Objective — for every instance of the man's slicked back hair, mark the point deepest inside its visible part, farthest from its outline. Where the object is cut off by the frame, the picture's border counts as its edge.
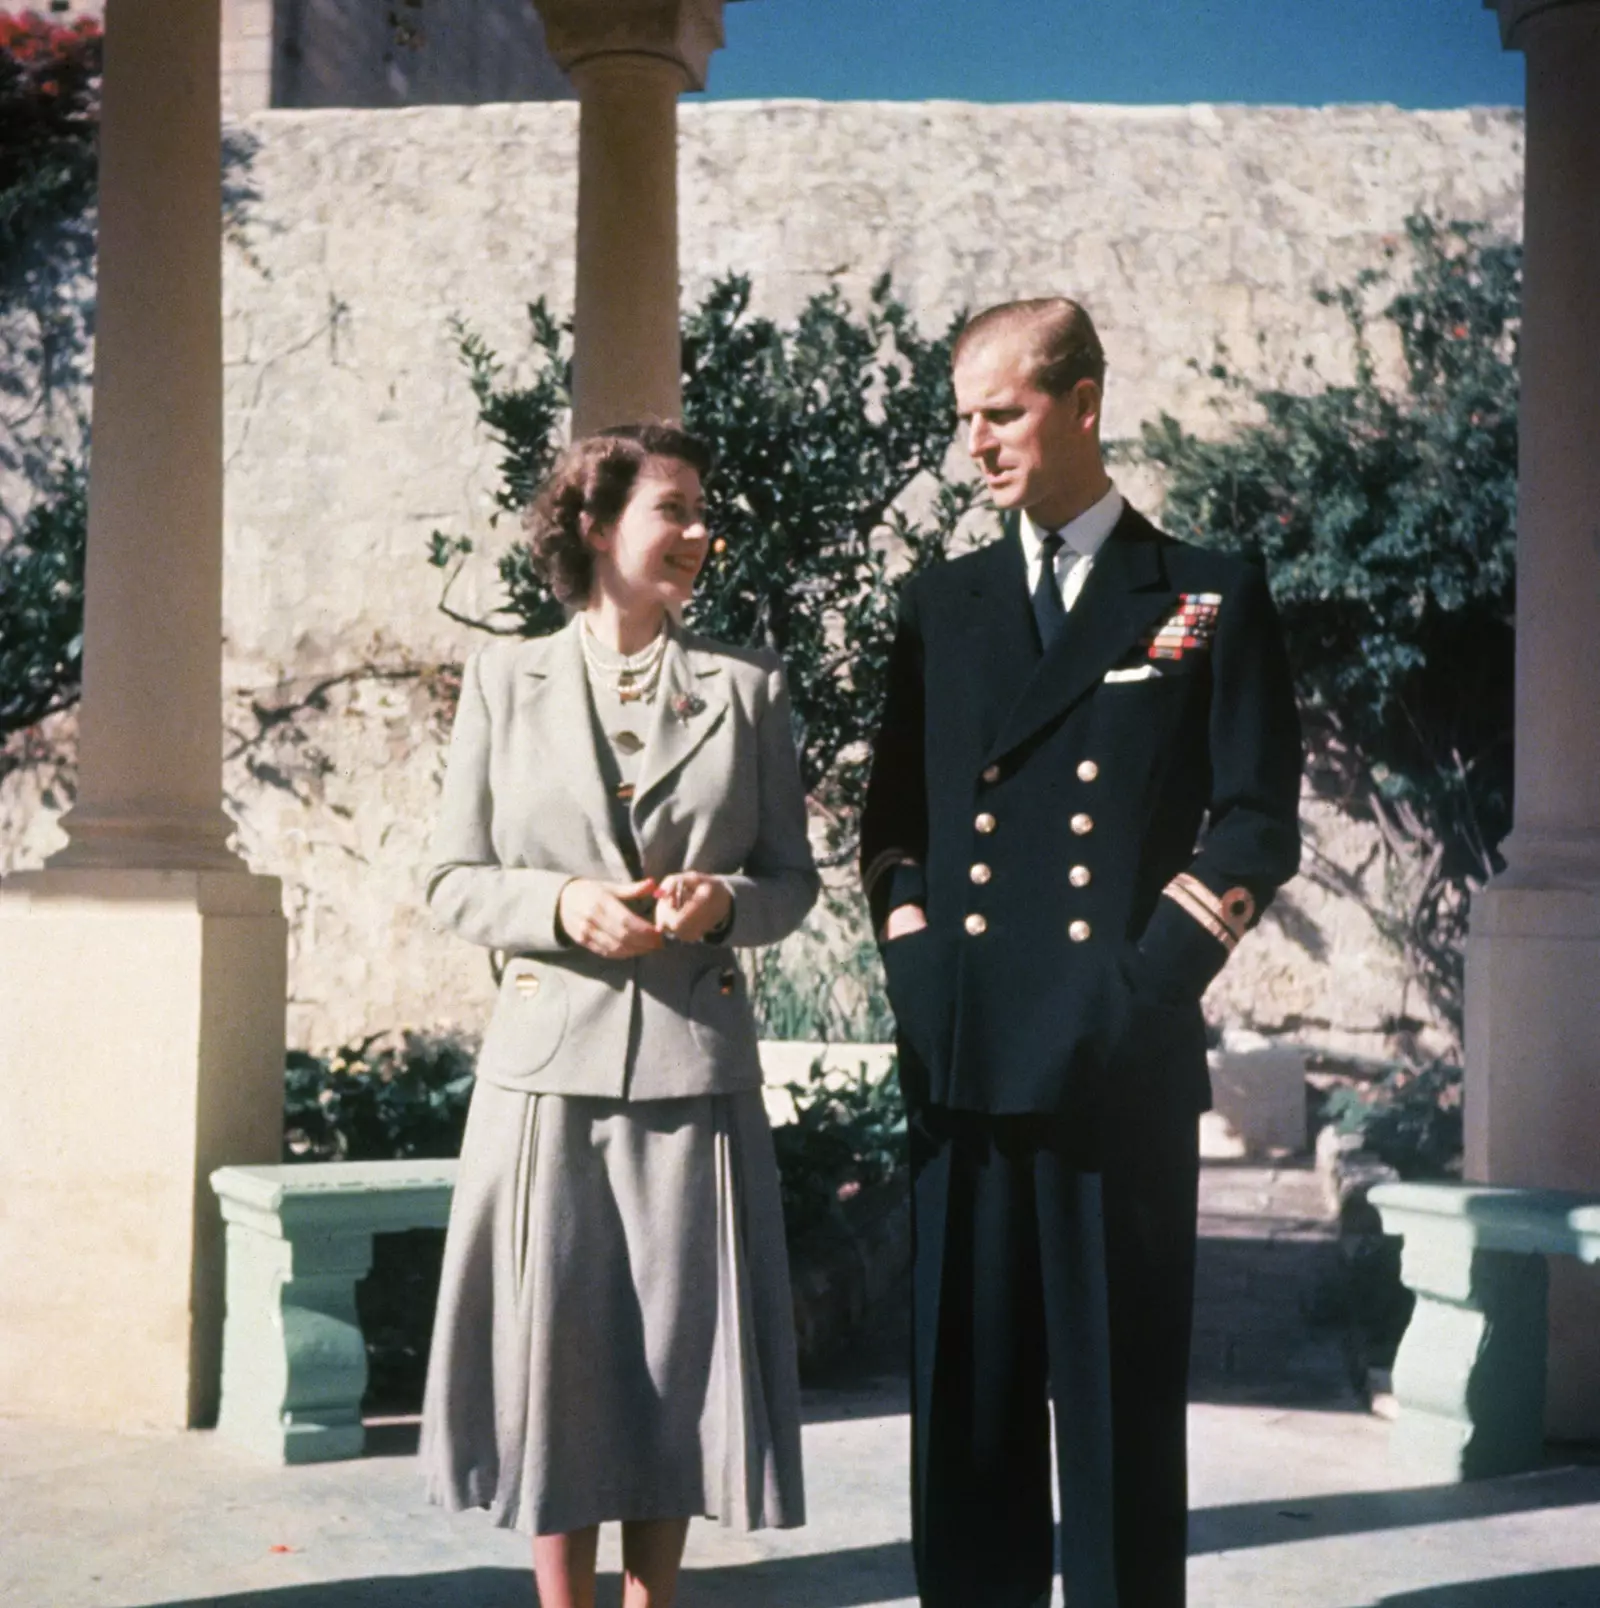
(1060, 333)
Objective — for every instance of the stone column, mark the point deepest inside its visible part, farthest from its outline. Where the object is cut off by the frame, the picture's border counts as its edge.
(630, 60)
(142, 972)
(150, 723)
(1533, 959)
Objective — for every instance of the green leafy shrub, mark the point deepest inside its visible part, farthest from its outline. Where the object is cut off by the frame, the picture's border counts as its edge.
(41, 603)
(389, 1097)
(49, 111)
(848, 1135)
(1410, 1118)
(1387, 519)
(819, 430)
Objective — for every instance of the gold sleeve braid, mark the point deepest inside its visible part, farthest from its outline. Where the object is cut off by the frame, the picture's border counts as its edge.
(881, 866)
(1226, 917)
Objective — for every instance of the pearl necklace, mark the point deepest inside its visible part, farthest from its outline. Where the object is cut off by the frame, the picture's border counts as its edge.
(632, 677)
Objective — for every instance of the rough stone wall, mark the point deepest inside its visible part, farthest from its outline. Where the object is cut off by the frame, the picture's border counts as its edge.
(351, 434)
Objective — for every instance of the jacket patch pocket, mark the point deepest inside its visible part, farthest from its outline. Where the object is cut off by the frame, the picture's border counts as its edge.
(530, 1017)
(719, 1006)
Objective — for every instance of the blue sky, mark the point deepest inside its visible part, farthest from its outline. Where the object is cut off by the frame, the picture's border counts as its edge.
(1416, 53)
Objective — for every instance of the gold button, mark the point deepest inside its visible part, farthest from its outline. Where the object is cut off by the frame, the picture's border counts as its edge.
(985, 823)
(1080, 876)
(526, 983)
(1082, 825)
(991, 773)
(1079, 931)
(976, 925)
(1088, 770)
(980, 873)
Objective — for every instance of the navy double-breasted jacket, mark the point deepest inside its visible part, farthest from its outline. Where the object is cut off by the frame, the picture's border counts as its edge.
(1090, 830)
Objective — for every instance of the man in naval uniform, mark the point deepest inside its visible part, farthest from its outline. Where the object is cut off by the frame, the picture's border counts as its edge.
(1084, 792)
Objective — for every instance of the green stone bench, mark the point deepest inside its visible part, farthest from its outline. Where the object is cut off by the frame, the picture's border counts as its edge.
(1469, 1379)
(299, 1238)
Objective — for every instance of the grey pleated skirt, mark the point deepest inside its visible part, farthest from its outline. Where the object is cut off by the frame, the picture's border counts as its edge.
(615, 1334)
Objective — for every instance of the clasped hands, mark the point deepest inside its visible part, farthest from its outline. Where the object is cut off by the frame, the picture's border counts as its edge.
(597, 915)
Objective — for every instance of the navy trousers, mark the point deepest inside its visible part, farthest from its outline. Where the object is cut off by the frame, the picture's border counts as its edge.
(1048, 1276)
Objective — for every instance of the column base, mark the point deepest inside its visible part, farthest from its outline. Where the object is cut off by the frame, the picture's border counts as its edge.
(143, 1048)
(1532, 1099)
(112, 839)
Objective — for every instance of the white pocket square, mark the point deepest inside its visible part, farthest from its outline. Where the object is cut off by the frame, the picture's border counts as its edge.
(1140, 672)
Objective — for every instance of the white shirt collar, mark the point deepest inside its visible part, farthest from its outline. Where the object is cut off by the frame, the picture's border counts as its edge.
(1084, 536)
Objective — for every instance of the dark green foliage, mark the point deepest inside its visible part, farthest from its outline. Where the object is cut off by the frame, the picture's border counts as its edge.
(524, 422)
(41, 605)
(49, 105)
(396, 1302)
(1387, 520)
(1411, 1118)
(817, 431)
(848, 1134)
(378, 1101)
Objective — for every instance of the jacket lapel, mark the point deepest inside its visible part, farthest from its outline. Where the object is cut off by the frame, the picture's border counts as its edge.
(1004, 641)
(567, 715)
(690, 705)
(1126, 592)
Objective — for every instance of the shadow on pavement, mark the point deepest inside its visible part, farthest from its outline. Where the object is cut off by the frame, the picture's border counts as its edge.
(1264, 1524)
(462, 1588)
(1261, 1334)
(1561, 1588)
(849, 1579)
(846, 1579)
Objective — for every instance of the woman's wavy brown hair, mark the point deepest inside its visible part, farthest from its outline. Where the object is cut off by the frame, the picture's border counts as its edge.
(595, 476)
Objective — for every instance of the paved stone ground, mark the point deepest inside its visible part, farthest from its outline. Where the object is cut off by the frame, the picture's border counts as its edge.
(1295, 1504)
(1268, 1253)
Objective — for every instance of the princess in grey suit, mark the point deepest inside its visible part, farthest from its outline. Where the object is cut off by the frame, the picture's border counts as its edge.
(622, 806)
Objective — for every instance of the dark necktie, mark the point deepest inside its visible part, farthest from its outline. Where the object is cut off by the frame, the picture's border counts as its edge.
(1047, 610)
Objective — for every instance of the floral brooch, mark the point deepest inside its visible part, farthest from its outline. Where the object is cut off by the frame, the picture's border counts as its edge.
(687, 705)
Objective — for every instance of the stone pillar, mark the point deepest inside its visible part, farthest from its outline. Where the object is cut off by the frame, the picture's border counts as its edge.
(1533, 959)
(630, 60)
(150, 723)
(142, 972)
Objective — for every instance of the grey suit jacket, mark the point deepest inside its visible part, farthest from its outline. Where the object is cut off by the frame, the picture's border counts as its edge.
(525, 810)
